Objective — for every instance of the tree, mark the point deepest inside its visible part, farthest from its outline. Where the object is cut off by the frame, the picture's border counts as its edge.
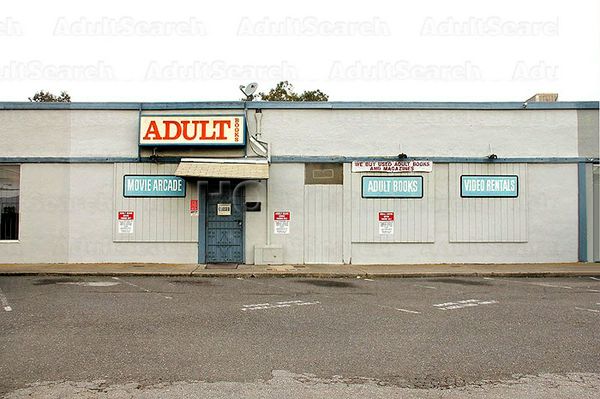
(284, 91)
(47, 97)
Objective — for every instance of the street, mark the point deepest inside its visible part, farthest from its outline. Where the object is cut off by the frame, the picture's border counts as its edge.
(113, 337)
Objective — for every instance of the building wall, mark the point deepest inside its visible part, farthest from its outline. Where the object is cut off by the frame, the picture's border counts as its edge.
(552, 231)
(442, 133)
(63, 133)
(461, 133)
(44, 216)
(68, 211)
(587, 130)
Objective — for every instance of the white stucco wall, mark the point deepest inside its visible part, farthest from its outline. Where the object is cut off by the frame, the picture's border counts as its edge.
(443, 133)
(460, 133)
(63, 133)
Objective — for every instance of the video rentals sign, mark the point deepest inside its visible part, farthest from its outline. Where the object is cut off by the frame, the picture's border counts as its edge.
(192, 130)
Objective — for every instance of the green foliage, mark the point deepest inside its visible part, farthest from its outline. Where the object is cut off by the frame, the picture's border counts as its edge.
(284, 91)
(47, 97)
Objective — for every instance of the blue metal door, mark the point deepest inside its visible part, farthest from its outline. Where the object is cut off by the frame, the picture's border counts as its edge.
(224, 223)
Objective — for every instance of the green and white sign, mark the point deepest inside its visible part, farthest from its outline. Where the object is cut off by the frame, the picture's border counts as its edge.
(489, 186)
(153, 186)
(392, 187)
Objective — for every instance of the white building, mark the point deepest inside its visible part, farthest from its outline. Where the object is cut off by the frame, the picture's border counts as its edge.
(268, 182)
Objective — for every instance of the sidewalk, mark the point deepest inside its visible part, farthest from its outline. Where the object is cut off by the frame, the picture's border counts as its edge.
(314, 271)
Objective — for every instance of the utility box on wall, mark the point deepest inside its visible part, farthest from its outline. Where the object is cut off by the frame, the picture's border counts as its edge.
(268, 255)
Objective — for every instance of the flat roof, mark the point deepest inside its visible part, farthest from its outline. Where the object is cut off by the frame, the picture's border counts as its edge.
(345, 105)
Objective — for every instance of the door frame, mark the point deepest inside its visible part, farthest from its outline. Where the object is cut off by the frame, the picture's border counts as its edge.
(202, 216)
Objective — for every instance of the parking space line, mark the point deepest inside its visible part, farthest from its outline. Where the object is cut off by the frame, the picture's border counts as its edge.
(133, 285)
(589, 310)
(465, 303)
(4, 301)
(426, 286)
(566, 287)
(141, 288)
(408, 311)
(595, 278)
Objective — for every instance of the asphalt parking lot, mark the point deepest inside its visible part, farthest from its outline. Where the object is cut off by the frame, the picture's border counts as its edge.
(421, 335)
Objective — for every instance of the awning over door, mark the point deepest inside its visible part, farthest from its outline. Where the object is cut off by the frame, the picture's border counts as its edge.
(227, 168)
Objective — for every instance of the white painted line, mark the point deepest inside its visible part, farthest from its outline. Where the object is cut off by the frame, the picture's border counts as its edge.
(589, 310)
(553, 286)
(593, 290)
(426, 286)
(4, 302)
(133, 285)
(539, 284)
(91, 283)
(276, 305)
(487, 278)
(368, 279)
(595, 278)
(141, 288)
(465, 303)
(408, 311)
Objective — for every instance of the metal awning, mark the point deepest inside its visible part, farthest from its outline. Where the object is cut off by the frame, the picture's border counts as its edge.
(227, 168)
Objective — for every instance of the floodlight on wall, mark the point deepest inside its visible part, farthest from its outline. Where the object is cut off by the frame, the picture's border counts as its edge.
(491, 155)
(402, 156)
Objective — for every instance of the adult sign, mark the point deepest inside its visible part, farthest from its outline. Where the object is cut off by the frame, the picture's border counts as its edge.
(489, 186)
(192, 130)
(153, 186)
(392, 187)
(392, 166)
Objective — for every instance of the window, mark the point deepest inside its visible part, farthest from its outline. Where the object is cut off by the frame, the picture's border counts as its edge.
(9, 202)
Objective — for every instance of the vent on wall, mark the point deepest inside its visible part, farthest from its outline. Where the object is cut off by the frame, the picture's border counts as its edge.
(323, 173)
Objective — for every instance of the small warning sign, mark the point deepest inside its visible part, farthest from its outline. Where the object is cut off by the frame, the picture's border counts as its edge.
(386, 223)
(281, 220)
(125, 222)
(194, 207)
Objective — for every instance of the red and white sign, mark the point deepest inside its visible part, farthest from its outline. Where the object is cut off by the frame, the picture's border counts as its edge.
(283, 215)
(392, 166)
(125, 222)
(386, 223)
(194, 207)
(281, 222)
(192, 130)
(125, 215)
(386, 216)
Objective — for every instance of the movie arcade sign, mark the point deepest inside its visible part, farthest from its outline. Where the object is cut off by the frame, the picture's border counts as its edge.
(392, 166)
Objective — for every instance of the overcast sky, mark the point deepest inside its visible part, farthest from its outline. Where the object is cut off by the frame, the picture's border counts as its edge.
(352, 50)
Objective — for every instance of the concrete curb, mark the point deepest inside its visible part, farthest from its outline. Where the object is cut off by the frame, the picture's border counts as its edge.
(288, 274)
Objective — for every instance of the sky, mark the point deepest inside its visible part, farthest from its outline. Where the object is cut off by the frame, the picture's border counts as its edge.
(352, 50)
